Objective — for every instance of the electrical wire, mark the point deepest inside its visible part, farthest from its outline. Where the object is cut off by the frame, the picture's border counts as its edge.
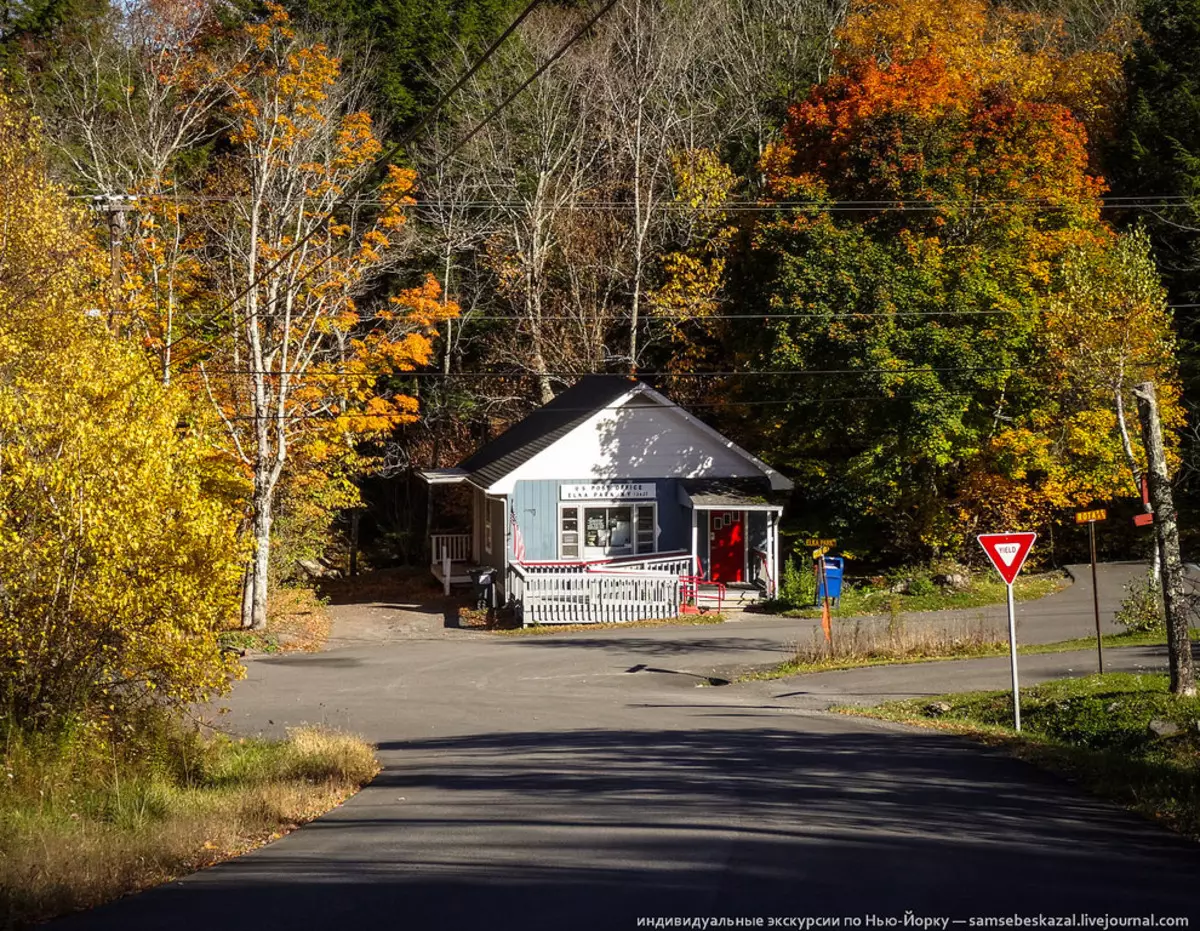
(764, 373)
(763, 402)
(734, 205)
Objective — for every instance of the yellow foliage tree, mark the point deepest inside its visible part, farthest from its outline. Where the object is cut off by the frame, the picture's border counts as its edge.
(693, 273)
(298, 372)
(118, 556)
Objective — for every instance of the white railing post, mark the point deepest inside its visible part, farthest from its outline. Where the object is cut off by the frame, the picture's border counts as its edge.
(446, 572)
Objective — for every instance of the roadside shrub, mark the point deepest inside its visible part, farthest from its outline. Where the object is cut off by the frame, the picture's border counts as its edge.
(922, 585)
(1142, 609)
(797, 586)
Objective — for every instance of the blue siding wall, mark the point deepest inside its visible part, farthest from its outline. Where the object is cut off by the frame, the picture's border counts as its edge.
(536, 504)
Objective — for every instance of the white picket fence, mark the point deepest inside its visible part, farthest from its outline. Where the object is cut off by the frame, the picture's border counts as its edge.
(591, 597)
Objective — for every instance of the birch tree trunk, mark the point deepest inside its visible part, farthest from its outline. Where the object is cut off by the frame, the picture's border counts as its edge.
(1179, 645)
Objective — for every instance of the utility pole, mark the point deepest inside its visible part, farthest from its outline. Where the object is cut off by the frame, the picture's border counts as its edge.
(116, 206)
(1166, 528)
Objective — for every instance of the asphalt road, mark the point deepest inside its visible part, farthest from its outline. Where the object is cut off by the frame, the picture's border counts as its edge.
(585, 781)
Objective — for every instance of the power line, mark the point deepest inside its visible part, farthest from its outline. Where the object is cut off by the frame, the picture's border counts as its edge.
(753, 402)
(756, 402)
(848, 314)
(838, 315)
(764, 373)
(752, 205)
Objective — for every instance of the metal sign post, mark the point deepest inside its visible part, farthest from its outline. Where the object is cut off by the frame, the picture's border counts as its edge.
(1007, 551)
(1012, 659)
(1090, 518)
(826, 617)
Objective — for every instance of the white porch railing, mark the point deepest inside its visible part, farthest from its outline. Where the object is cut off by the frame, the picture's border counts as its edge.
(593, 597)
(675, 563)
(453, 546)
(678, 562)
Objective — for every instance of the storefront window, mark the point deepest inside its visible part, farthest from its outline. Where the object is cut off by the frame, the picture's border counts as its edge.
(570, 533)
(645, 528)
(608, 531)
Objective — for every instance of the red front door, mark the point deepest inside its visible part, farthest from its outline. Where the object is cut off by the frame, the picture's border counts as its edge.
(727, 546)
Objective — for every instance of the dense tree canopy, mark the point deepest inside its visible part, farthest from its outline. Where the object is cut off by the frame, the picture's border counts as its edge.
(118, 527)
(938, 254)
(910, 195)
(403, 44)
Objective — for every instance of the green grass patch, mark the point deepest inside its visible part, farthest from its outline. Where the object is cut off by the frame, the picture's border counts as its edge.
(1093, 730)
(859, 601)
(1137, 638)
(85, 818)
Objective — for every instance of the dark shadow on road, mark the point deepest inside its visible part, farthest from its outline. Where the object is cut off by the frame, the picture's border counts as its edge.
(746, 817)
(653, 647)
(311, 659)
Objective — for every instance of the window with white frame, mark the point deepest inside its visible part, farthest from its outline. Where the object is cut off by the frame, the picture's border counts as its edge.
(487, 526)
(601, 530)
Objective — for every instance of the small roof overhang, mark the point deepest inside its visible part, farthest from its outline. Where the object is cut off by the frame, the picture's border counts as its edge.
(444, 476)
(729, 494)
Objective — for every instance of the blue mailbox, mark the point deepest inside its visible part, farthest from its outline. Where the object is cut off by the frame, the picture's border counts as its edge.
(832, 576)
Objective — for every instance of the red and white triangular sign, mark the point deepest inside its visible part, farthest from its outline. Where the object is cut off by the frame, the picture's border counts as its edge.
(1007, 551)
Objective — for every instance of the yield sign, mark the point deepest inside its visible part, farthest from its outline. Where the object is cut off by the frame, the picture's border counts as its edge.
(1007, 551)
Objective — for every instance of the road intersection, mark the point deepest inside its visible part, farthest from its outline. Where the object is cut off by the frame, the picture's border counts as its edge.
(589, 781)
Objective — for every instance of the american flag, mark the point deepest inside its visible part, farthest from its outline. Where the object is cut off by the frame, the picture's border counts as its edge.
(518, 540)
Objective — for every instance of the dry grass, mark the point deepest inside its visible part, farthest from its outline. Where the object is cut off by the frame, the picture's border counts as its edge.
(867, 643)
(78, 829)
(298, 618)
(403, 584)
(297, 622)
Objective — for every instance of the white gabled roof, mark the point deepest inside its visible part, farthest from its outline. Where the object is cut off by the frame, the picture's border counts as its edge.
(634, 432)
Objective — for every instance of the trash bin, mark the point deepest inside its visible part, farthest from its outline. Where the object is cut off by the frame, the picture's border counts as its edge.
(484, 581)
(832, 577)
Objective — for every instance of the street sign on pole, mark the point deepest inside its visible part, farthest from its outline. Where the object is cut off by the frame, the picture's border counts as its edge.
(1090, 518)
(1007, 551)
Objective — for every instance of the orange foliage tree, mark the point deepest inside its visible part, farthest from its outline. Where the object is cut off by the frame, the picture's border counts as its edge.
(296, 371)
(939, 246)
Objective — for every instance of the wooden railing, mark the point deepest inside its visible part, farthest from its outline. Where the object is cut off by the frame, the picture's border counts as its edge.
(678, 562)
(593, 597)
(453, 546)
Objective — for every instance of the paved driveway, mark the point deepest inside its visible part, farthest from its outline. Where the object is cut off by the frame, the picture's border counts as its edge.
(586, 781)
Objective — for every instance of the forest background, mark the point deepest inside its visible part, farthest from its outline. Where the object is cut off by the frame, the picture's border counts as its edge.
(915, 254)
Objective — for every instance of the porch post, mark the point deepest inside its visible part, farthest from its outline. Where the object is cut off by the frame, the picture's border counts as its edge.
(773, 544)
(695, 543)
